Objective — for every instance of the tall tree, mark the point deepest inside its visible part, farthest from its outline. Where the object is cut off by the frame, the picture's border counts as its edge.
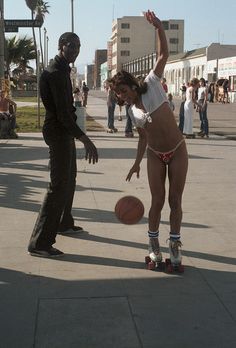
(32, 6)
(41, 10)
(19, 52)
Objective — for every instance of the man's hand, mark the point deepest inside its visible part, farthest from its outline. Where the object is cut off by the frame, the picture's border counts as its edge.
(91, 153)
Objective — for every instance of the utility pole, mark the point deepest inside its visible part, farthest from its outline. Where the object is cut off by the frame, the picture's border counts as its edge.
(72, 29)
(72, 16)
(45, 47)
(2, 43)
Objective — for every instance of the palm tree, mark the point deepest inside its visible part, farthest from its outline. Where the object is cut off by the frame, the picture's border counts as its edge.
(19, 51)
(32, 6)
(41, 9)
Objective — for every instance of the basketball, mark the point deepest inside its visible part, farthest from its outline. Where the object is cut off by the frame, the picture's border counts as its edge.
(129, 210)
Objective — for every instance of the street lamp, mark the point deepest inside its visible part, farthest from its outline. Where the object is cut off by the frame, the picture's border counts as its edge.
(72, 16)
(47, 52)
(45, 47)
(1, 41)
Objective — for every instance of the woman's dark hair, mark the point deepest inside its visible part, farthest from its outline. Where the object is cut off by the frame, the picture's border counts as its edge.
(203, 81)
(125, 78)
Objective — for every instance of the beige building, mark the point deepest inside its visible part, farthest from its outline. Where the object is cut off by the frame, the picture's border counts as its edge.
(133, 36)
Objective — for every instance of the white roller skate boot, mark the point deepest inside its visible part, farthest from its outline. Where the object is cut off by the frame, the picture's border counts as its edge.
(154, 260)
(175, 261)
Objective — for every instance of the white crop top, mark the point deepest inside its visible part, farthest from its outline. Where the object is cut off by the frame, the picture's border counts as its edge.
(151, 100)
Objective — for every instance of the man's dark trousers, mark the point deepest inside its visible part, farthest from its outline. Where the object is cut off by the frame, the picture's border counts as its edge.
(55, 212)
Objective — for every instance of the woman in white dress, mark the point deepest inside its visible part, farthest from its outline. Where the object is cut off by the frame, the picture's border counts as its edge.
(189, 108)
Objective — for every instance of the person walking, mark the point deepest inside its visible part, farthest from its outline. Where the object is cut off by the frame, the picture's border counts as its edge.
(59, 132)
(85, 91)
(189, 108)
(166, 149)
(129, 125)
(111, 105)
(202, 101)
(78, 97)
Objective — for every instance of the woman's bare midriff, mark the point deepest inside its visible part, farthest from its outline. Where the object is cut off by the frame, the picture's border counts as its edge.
(163, 133)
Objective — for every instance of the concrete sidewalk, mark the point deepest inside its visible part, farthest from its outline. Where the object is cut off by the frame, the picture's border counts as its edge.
(100, 294)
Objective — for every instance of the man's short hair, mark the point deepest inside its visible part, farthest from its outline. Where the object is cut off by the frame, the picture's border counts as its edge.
(65, 38)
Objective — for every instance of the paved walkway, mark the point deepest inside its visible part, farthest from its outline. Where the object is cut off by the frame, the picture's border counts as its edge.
(100, 294)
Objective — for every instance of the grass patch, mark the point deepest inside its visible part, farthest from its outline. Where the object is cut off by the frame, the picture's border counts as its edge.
(26, 99)
(27, 120)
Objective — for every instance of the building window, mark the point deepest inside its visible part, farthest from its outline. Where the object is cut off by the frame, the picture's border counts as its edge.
(174, 26)
(165, 25)
(124, 39)
(125, 53)
(125, 25)
(174, 40)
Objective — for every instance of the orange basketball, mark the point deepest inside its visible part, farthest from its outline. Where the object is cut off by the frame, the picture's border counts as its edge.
(129, 210)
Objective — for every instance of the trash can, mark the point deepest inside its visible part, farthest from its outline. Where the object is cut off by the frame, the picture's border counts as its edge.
(81, 117)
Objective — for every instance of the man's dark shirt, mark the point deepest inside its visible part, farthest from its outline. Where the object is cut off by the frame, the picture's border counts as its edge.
(56, 94)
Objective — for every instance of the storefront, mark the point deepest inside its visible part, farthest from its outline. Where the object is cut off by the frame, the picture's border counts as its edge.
(227, 70)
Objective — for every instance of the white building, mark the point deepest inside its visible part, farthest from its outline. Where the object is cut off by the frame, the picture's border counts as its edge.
(207, 62)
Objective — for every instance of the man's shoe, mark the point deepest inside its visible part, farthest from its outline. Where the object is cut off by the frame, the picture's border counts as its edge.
(71, 230)
(129, 134)
(51, 252)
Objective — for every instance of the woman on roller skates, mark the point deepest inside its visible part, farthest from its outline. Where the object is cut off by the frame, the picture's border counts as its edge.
(166, 148)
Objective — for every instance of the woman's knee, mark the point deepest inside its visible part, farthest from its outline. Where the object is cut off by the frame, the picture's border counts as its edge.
(175, 203)
(158, 202)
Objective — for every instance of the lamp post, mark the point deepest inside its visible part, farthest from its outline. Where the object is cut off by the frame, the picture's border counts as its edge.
(2, 43)
(72, 16)
(72, 29)
(47, 52)
(45, 46)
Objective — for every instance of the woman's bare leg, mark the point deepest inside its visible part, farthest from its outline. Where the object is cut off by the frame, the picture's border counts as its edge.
(177, 172)
(156, 177)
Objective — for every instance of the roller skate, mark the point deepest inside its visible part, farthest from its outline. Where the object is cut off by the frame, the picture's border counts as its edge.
(154, 260)
(174, 263)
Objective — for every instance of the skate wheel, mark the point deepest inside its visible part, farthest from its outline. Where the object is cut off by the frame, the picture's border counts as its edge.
(169, 268)
(181, 268)
(167, 262)
(151, 265)
(147, 260)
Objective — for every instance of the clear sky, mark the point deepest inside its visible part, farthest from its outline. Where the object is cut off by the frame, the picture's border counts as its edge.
(206, 21)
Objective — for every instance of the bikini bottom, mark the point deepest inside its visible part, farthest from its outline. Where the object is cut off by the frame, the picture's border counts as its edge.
(165, 157)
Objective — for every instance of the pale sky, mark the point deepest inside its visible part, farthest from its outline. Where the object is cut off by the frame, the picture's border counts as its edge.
(206, 21)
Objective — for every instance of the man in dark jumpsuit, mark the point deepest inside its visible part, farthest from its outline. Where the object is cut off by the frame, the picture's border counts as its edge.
(59, 132)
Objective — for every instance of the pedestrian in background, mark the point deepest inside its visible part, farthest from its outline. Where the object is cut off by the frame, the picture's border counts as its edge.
(164, 85)
(171, 103)
(129, 125)
(85, 91)
(111, 105)
(78, 97)
(189, 108)
(202, 102)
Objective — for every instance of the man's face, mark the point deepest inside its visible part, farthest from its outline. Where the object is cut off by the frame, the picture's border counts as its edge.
(71, 49)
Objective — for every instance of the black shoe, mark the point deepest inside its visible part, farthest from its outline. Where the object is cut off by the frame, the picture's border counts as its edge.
(129, 134)
(70, 230)
(51, 252)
